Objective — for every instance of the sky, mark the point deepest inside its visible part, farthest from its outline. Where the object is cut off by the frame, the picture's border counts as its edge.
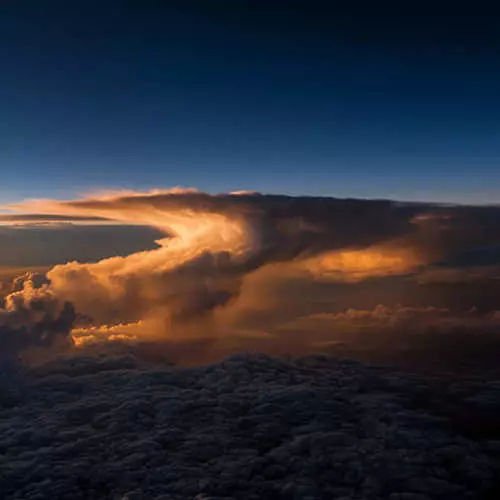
(374, 101)
(202, 249)
(186, 170)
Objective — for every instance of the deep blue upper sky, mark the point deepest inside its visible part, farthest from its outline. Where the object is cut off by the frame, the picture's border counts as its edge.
(291, 97)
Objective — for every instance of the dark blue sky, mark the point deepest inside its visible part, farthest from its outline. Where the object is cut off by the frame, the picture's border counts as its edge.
(291, 97)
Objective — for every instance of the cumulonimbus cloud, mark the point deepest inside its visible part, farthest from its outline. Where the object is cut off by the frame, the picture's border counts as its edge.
(212, 243)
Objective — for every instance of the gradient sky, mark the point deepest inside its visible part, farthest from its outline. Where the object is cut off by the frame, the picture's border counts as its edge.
(381, 101)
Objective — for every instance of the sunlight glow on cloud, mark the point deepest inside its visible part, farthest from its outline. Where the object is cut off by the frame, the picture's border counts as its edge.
(198, 281)
(359, 264)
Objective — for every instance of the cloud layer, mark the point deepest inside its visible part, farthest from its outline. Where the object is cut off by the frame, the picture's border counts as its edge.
(250, 427)
(110, 417)
(256, 264)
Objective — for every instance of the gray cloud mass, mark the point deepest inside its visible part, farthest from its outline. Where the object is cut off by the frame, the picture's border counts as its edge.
(250, 427)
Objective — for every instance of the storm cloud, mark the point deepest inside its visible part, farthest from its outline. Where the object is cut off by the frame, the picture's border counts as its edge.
(254, 264)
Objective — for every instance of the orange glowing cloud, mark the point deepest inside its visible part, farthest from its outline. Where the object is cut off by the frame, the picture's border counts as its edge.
(212, 248)
(358, 264)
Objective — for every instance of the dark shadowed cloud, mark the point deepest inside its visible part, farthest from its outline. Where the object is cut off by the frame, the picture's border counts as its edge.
(33, 317)
(251, 426)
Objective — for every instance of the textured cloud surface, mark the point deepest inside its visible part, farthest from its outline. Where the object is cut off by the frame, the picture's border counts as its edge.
(260, 265)
(251, 427)
(33, 317)
(111, 417)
